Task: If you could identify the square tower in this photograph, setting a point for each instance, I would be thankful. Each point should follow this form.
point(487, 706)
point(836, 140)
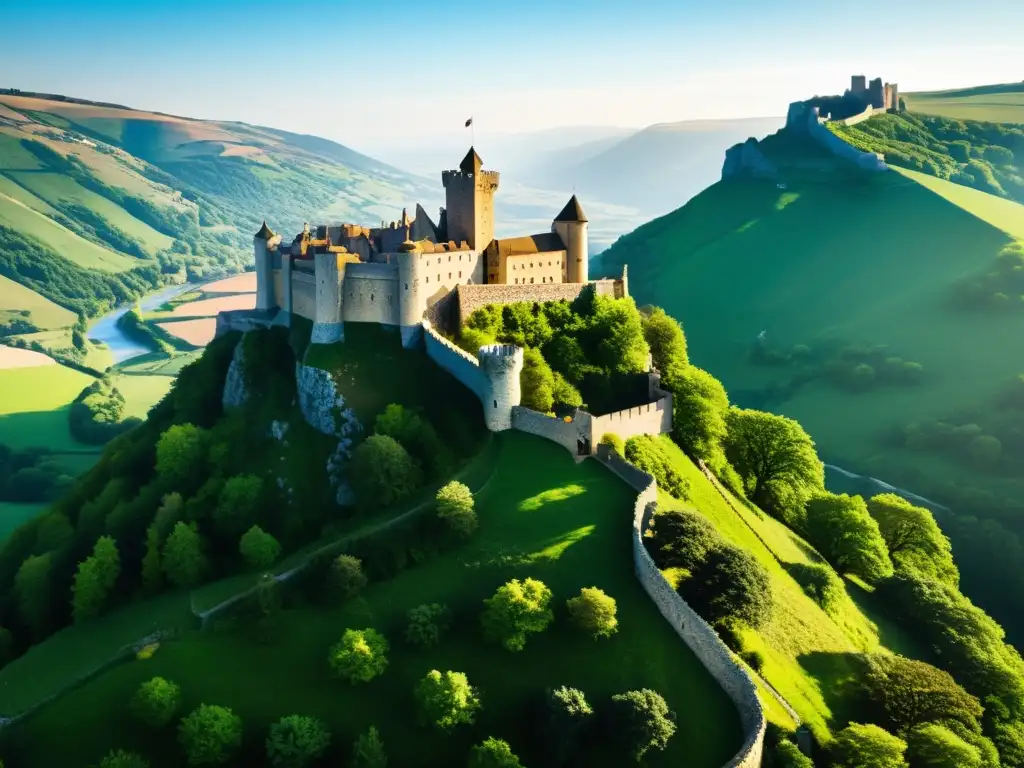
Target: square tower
point(858, 84)
point(469, 202)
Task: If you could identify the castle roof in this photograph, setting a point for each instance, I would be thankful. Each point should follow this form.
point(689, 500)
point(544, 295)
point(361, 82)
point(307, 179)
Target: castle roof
point(524, 246)
point(265, 232)
point(471, 163)
point(573, 211)
point(422, 227)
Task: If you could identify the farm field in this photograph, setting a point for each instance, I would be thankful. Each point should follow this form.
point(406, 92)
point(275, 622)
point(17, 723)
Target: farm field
point(243, 283)
point(199, 331)
point(12, 357)
point(992, 103)
point(43, 313)
point(33, 411)
point(142, 392)
point(210, 307)
point(540, 516)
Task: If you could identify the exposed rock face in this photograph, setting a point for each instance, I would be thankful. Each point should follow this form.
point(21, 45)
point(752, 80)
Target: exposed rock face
point(746, 159)
point(235, 392)
point(324, 409)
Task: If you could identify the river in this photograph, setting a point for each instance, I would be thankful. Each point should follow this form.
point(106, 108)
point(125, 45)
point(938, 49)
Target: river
point(121, 346)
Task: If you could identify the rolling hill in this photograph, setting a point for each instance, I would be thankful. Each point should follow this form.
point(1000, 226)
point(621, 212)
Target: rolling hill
point(994, 103)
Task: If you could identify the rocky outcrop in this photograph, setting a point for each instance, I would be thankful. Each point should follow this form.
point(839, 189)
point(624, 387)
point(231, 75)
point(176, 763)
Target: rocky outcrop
point(746, 159)
point(235, 392)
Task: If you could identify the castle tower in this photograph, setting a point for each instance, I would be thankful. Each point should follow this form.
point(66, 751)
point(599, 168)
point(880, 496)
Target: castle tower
point(858, 84)
point(261, 242)
point(410, 303)
point(469, 202)
point(894, 96)
point(327, 325)
point(501, 364)
point(571, 226)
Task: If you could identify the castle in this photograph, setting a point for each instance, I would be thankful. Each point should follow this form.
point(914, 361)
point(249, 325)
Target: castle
point(874, 94)
point(397, 274)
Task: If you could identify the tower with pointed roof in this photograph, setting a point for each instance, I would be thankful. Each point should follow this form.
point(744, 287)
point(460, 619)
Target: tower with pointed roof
point(469, 202)
point(571, 225)
point(264, 242)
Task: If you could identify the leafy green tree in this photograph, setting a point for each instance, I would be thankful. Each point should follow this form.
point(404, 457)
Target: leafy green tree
point(665, 338)
point(568, 715)
point(593, 612)
point(820, 583)
point(94, 580)
point(156, 702)
point(382, 472)
point(120, 758)
point(493, 753)
point(563, 393)
point(622, 347)
point(642, 721)
point(368, 750)
point(681, 539)
point(471, 339)
point(699, 406)
point(259, 548)
point(913, 538)
point(32, 587)
point(840, 527)
point(447, 700)
point(788, 755)
point(935, 746)
point(867, 746)
point(614, 442)
point(517, 608)
point(537, 382)
point(427, 623)
point(181, 453)
point(238, 503)
point(360, 655)
point(184, 559)
point(297, 741)
point(769, 451)
point(649, 454)
point(152, 568)
point(730, 583)
point(346, 577)
point(210, 735)
point(416, 434)
point(455, 508)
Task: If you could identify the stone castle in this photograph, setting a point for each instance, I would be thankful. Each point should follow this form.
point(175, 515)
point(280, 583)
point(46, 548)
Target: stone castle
point(875, 94)
point(412, 268)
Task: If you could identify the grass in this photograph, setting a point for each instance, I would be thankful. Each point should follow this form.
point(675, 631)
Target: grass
point(142, 392)
point(798, 629)
point(43, 313)
point(33, 410)
point(994, 103)
point(541, 516)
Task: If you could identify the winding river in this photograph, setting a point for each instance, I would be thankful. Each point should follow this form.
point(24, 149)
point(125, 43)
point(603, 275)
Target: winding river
point(105, 328)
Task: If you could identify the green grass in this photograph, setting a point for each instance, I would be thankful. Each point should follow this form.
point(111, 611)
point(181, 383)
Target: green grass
point(541, 516)
point(799, 633)
point(142, 392)
point(997, 211)
point(33, 409)
point(997, 104)
point(43, 313)
point(155, 363)
point(12, 515)
point(17, 192)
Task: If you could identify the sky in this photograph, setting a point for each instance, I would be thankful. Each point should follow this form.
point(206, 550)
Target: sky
point(380, 74)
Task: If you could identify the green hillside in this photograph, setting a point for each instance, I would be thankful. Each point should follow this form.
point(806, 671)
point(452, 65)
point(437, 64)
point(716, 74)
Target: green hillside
point(995, 103)
point(17, 301)
point(852, 280)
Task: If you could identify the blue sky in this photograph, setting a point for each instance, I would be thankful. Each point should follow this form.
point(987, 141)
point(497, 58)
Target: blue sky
point(385, 72)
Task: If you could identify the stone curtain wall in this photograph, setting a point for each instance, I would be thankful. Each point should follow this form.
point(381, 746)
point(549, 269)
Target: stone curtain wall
point(868, 161)
point(472, 297)
point(304, 295)
point(651, 419)
point(566, 434)
point(455, 361)
point(869, 111)
point(694, 631)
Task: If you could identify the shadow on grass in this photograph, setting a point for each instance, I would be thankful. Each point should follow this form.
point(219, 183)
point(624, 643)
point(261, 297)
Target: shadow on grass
point(890, 633)
point(836, 675)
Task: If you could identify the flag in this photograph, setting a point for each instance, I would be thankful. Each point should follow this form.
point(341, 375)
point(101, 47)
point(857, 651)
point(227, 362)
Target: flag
point(469, 122)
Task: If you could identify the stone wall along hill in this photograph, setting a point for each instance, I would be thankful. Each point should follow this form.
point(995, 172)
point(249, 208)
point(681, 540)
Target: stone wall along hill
point(455, 360)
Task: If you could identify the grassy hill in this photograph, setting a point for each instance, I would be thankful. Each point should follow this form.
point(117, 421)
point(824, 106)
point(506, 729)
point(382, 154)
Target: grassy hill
point(837, 271)
point(995, 103)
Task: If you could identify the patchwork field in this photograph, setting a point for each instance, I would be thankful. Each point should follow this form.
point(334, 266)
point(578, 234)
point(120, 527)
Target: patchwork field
point(199, 331)
point(33, 410)
point(993, 103)
point(43, 313)
point(243, 283)
point(142, 392)
point(12, 357)
point(541, 516)
point(210, 307)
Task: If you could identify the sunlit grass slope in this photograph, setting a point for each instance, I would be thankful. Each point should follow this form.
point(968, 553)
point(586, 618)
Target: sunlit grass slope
point(992, 103)
point(15, 299)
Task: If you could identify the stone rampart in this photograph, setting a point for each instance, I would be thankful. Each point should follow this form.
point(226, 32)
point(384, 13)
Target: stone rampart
point(869, 111)
point(243, 320)
point(304, 294)
point(472, 297)
point(455, 360)
point(746, 159)
point(566, 433)
point(654, 418)
point(694, 631)
point(868, 161)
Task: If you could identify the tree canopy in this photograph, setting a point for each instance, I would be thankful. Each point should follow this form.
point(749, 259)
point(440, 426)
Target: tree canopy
point(516, 609)
point(913, 537)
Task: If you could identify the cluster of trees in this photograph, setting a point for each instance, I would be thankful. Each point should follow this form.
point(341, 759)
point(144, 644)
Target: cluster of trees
point(96, 415)
point(31, 475)
point(92, 226)
point(648, 454)
point(136, 328)
point(999, 287)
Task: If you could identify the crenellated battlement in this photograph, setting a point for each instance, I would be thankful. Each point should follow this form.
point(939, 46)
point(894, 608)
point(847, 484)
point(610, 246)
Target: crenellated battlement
point(500, 358)
point(485, 179)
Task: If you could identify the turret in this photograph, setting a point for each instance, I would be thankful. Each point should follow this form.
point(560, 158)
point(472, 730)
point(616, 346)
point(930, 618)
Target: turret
point(327, 325)
point(501, 364)
point(571, 226)
point(263, 242)
point(410, 304)
point(469, 202)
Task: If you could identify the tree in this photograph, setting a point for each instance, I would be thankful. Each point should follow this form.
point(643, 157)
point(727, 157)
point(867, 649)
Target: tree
point(913, 538)
point(643, 721)
point(840, 527)
point(613, 441)
point(455, 508)
point(416, 435)
point(32, 586)
point(360, 655)
point(788, 755)
point(184, 560)
point(210, 735)
point(346, 576)
point(568, 715)
point(593, 612)
point(820, 583)
point(730, 583)
point(427, 623)
point(181, 453)
point(681, 539)
point(935, 746)
point(95, 579)
point(537, 382)
point(768, 451)
point(296, 741)
point(446, 700)
point(665, 338)
point(867, 746)
point(259, 548)
point(237, 505)
point(622, 347)
point(699, 406)
point(517, 607)
point(120, 758)
point(563, 393)
point(152, 568)
point(382, 472)
point(368, 750)
point(493, 753)
point(156, 702)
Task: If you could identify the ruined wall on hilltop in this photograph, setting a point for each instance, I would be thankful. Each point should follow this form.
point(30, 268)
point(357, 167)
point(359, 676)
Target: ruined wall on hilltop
point(746, 159)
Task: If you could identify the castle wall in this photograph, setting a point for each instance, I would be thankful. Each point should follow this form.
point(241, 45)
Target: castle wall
point(654, 418)
point(455, 360)
point(566, 434)
point(472, 297)
point(278, 282)
point(370, 294)
point(746, 159)
point(304, 294)
point(816, 129)
point(869, 111)
point(534, 268)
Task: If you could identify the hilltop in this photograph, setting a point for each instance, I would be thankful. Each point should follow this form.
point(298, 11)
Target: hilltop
point(996, 103)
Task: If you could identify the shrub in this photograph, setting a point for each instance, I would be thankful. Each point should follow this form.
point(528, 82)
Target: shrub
point(755, 659)
point(517, 607)
point(867, 746)
point(120, 758)
point(184, 560)
point(382, 472)
point(210, 735)
point(346, 576)
point(593, 612)
point(648, 454)
point(643, 721)
point(493, 753)
point(932, 744)
point(95, 579)
point(840, 527)
point(156, 702)
point(614, 442)
point(568, 714)
point(360, 655)
point(259, 548)
point(788, 755)
point(730, 582)
point(820, 583)
point(730, 630)
point(427, 623)
point(455, 508)
point(446, 700)
point(368, 750)
point(296, 741)
point(681, 539)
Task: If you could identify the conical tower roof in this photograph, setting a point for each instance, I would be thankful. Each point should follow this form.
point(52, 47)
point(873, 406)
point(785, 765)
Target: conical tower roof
point(471, 163)
point(265, 232)
point(573, 211)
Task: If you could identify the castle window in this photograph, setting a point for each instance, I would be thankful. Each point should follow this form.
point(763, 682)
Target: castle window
point(460, 257)
point(495, 403)
point(371, 297)
point(531, 280)
point(460, 274)
point(449, 258)
point(449, 275)
point(428, 278)
point(407, 286)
